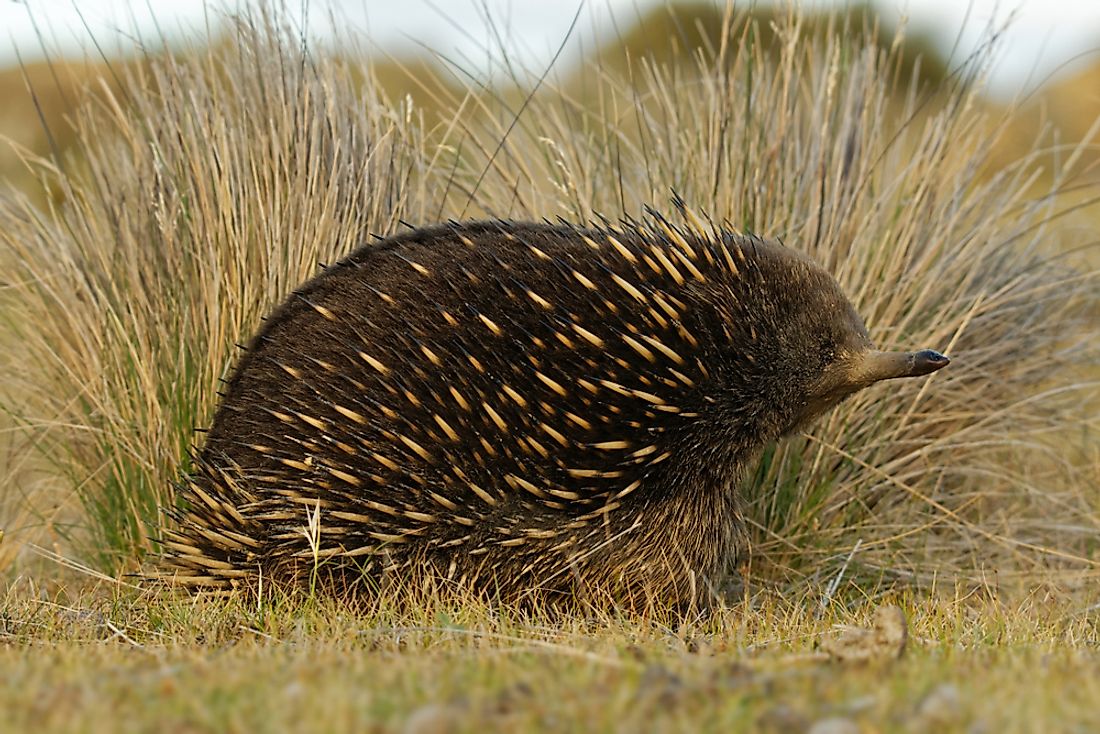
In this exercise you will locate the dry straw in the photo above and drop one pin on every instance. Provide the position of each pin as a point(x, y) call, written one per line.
point(219, 177)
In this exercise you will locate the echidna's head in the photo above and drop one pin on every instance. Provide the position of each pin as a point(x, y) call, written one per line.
point(791, 344)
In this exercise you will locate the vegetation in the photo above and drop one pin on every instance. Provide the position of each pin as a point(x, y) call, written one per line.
point(205, 184)
point(123, 661)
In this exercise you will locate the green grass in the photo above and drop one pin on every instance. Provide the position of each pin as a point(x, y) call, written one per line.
point(120, 660)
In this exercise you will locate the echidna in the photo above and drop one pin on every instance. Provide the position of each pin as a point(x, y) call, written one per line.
point(521, 408)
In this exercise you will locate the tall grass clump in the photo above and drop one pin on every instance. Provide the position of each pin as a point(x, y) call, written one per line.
point(212, 183)
point(217, 179)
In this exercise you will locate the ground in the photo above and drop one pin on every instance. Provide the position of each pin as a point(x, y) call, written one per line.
point(113, 658)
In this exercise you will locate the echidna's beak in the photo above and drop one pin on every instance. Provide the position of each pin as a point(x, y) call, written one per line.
point(888, 365)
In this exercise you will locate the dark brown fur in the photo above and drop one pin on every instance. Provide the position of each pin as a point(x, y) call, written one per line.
point(517, 408)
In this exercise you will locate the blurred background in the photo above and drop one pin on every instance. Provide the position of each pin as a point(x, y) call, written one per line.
point(1038, 38)
point(1045, 57)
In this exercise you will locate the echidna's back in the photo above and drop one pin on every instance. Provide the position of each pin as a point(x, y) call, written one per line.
point(416, 346)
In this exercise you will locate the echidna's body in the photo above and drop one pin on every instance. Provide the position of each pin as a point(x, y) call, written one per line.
point(520, 407)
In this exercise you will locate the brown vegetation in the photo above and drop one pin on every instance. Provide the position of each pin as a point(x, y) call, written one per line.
point(208, 188)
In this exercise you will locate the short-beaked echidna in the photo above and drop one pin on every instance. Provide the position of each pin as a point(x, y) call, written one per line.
point(521, 407)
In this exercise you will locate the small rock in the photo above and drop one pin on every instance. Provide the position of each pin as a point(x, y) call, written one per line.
point(834, 725)
point(885, 640)
point(433, 718)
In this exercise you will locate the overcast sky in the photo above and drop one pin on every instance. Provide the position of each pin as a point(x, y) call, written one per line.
point(1047, 35)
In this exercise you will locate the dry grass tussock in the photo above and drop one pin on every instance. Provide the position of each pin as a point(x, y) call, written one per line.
point(219, 178)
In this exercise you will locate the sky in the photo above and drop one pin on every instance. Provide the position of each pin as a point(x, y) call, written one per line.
point(1046, 37)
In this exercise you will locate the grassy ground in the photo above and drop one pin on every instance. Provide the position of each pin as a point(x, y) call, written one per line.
point(192, 207)
point(119, 660)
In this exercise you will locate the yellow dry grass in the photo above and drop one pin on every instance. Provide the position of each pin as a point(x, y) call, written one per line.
point(216, 180)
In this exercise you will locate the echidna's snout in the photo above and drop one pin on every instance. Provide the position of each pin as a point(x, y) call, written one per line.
point(857, 370)
point(928, 360)
point(877, 365)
